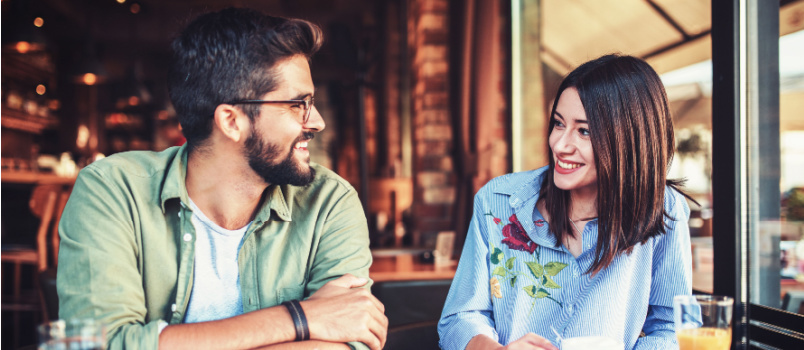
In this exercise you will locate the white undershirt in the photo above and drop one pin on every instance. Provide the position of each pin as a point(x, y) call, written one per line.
point(216, 277)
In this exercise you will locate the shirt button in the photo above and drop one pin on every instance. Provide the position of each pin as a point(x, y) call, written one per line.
point(179, 214)
point(569, 307)
point(188, 237)
point(173, 308)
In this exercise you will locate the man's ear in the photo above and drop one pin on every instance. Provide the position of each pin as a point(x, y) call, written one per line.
point(232, 122)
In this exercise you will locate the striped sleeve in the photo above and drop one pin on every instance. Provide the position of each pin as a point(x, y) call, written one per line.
point(468, 309)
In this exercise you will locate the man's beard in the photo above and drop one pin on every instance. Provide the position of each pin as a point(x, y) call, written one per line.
point(287, 172)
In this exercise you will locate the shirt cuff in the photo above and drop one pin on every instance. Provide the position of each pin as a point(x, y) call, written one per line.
point(457, 333)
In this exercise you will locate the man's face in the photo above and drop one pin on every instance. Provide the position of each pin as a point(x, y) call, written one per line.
point(276, 149)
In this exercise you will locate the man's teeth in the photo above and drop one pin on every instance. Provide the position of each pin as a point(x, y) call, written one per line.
point(568, 165)
point(301, 144)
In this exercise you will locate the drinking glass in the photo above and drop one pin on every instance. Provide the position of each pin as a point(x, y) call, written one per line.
point(72, 335)
point(703, 322)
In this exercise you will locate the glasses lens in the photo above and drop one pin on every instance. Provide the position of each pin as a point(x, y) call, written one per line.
point(308, 105)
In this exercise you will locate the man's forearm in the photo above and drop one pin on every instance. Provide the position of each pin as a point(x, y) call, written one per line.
point(307, 345)
point(251, 330)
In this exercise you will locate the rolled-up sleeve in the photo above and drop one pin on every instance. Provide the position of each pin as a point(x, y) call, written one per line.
point(671, 276)
point(468, 309)
point(98, 275)
point(343, 248)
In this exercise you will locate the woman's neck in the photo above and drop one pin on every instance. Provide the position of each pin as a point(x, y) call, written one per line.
point(583, 204)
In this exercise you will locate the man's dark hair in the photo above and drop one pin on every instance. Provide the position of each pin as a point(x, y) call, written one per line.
point(632, 138)
point(230, 55)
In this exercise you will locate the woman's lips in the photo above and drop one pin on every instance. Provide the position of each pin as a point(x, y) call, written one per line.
point(566, 167)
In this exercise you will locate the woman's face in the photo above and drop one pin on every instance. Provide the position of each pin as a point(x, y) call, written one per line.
point(571, 145)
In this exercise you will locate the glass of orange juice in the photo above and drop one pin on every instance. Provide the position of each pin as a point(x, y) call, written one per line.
point(703, 322)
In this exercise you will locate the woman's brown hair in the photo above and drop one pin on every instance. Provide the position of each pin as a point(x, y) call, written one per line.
point(632, 137)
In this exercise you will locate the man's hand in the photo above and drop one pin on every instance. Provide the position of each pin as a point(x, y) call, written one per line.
point(341, 312)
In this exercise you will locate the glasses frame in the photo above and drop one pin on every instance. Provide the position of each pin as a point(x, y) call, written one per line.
point(308, 105)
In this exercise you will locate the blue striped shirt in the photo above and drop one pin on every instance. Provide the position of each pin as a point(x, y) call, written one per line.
point(512, 279)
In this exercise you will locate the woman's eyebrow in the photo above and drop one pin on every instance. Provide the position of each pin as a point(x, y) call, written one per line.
point(576, 120)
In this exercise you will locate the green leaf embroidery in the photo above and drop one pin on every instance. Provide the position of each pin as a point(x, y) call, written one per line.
point(513, 281)
point(499, 271)
point(535, 268)
point(542, 293)
point(531, 290)
point(548, 282)
point(553, 268)
point(510, 263)
point(497, 256)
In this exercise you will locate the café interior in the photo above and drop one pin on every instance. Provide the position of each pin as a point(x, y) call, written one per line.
point(425, 101)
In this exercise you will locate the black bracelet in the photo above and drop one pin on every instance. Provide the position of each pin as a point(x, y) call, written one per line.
point(299, 319)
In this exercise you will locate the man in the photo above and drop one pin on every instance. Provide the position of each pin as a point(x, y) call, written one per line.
point(212, 244)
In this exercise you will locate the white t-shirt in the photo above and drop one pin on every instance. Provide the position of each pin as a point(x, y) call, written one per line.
point(216, 277)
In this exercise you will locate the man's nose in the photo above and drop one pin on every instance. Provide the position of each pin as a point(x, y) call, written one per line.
point(316, 121)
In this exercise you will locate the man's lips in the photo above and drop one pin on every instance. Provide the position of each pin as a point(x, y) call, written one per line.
point(301, 145)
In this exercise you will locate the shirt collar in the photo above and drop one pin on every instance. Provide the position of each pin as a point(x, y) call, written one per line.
point(174, 187)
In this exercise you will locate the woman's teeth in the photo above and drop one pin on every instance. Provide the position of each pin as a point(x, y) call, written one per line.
point(568, 165)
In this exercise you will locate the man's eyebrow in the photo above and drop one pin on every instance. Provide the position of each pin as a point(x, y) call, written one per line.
point(583, 121)
point(302, 96)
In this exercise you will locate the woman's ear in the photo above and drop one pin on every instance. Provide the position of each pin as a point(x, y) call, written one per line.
point(232, 122)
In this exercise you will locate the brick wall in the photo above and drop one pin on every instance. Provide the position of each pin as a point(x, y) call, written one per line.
point(434, 180)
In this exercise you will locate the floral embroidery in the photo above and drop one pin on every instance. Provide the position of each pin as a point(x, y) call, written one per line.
point(539, 222)
point(495, 288)
point(497, 221)
point(540, 277)
point(516, 238)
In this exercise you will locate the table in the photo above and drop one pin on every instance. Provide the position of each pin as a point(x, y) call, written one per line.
point(402, 265)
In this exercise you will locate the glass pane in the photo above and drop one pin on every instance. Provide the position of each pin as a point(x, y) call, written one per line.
point(777, 159)
point(689, 91)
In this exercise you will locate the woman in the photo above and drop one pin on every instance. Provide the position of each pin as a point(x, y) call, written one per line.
point(596, 243)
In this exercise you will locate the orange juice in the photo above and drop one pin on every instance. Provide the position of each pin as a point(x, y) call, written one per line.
point(705, 338)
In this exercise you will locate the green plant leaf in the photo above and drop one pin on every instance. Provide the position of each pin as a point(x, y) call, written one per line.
point(497, 256)
point(531, 290)
point(499, 271)
point(542, 293)
point(535, 268)
point(548, 282)
point(513, 281)
point(510, 263)
point(553, 268)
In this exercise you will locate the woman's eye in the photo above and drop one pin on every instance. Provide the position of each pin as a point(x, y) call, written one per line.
point(557, 123)
point(584, 132)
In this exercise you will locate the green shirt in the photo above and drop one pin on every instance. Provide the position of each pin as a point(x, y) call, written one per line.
point(128, 244)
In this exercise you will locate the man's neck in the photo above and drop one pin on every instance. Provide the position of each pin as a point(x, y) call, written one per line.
point(227, 192)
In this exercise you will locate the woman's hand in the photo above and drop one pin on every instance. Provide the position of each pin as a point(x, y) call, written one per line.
point(528, 341)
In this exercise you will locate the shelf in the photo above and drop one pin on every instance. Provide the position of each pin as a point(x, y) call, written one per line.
point(17, 120)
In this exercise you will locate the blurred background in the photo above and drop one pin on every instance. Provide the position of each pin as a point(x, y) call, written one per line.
point(425, 101)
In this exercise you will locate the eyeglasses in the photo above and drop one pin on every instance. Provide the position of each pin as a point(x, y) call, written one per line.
point(307, 105)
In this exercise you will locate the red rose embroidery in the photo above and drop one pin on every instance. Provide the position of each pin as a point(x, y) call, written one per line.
point(497, 221)
point(516, 238)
